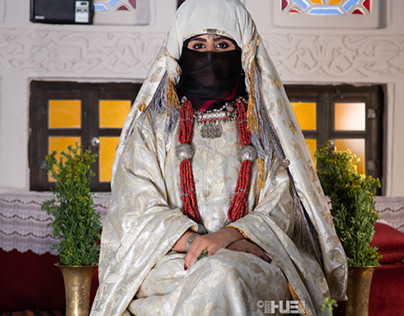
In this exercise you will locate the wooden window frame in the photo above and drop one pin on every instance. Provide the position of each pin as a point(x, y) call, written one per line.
point(89, 94)
point(326, 96)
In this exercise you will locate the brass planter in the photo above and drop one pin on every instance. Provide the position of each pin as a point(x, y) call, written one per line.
point(359, 280)
point(77, 281)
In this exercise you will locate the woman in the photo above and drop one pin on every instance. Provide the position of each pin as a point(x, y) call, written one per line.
point(216, 208)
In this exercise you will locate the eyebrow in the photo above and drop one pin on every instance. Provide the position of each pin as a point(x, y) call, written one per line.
point(217, 38)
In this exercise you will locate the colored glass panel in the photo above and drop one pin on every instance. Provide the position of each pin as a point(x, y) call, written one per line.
point(113, 3)
point(60, 143)
point(133, 3)
point(64, 114)
point(317, 1)
point(357, 146)
point(306, 113)
point(350, 116)
point(285, 3)
point(335, 1)
point(326, 11)
point(367, 4)
point(100, 7)
point(312, 144)
point(303, 3)
point(294, 11)
point(349, 4)
point(106, 156)
point(358, 11)
point(123, 8)
point(113, 113)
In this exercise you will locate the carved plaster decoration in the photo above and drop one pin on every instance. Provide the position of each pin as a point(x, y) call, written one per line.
point(111, 54)
point(335, 56)
point(95, 53)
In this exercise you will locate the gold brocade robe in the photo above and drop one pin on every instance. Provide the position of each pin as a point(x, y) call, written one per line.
point(139, 271)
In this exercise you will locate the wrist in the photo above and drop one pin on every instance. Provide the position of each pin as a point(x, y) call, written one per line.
point(190, 240)
point(231, 235)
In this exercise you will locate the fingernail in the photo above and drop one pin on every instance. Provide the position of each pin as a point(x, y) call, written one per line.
point(185, 267)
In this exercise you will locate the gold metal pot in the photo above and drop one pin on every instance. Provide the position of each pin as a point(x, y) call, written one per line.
point(77, 288)
point(359, 280)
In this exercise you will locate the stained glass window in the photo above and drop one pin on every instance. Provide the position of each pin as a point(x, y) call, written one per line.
point(121, 12)
point(115, 5)
point(327, 7)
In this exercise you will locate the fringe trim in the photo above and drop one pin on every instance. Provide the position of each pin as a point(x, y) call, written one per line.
point(252, 123)
point(261, 174)
point(172, 97)
point(296, 298)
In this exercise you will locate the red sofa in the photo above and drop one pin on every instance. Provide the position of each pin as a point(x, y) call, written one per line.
point(31, 281)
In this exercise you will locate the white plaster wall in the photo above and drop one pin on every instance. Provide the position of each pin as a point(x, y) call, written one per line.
point(88, 53)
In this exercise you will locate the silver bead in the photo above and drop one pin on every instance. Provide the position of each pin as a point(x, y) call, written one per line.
point(184, 151)
point(286, 162)
point(248, 152)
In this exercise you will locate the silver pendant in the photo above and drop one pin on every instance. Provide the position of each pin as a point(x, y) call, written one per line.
point(211, 130)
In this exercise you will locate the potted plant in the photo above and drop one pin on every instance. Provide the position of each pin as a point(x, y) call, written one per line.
point(76, 224)
point(351, 198)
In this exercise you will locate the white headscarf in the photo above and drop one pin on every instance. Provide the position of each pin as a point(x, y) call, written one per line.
point(273, 115)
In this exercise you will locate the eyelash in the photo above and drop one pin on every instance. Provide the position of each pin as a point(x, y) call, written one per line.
point(221, 45)
point(198, 46)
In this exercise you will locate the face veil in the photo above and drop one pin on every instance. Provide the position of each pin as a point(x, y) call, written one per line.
point(209, 79)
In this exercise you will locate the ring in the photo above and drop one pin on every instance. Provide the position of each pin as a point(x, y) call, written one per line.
point(203, 254)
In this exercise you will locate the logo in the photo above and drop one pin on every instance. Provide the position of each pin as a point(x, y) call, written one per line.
point(281, 307)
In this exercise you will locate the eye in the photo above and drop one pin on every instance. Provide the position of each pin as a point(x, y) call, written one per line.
point(198, 46)
point(223, 45)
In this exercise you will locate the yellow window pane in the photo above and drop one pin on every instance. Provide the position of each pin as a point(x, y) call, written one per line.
point(64, 113)
point(107, 154)
point(306, 114)
point(312, 144)
point(335, 1)
point(113, 113)
point(317, 1)
point(350, 116)
point(60, 143)
point(357, 146)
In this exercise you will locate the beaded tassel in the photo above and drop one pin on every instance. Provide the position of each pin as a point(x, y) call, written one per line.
point(239, 205)
point(185, 135)
point(188, 191)
point(186, 132)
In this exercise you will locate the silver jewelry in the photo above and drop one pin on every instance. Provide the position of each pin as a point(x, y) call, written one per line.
point(190, 240)
point(248, 152)
point(184, 151)
point(211, 120)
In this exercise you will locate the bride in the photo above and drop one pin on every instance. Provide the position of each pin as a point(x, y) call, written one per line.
point(216, 208)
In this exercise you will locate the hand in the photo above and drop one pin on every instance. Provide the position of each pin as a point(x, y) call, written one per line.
point(244, 245)
point(214, 241)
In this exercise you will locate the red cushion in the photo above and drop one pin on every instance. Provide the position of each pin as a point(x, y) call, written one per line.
point(390, 242)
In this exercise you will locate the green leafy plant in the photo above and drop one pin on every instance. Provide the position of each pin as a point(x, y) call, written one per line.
point(328, 307)
point(76, 223)
point(351, 196)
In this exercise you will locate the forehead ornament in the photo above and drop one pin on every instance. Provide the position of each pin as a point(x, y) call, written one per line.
point(211, 33)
